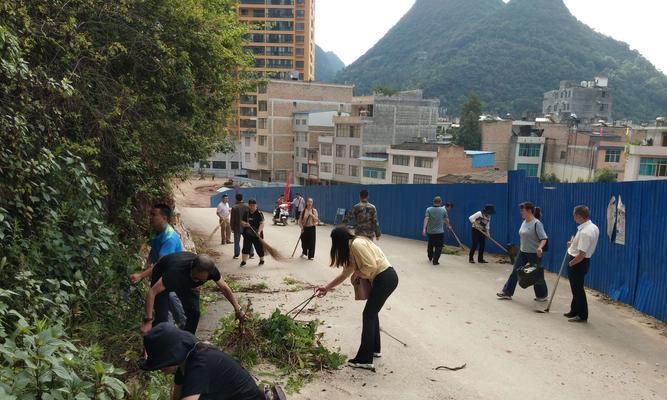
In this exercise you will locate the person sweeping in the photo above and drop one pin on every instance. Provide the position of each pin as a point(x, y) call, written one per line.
point(365, 262)
point(481, 229)
point(308, 220)
point(253, 231)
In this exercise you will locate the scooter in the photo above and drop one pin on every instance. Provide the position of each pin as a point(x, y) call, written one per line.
point(281, 215)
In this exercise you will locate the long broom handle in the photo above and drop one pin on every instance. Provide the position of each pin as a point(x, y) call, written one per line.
point(456, 236)
point(298, 241)
point(560, 273)
point(492, 239)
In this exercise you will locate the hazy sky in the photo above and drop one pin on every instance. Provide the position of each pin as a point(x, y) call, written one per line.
point(351, 27)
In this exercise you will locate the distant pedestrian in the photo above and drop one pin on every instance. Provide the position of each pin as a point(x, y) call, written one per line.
point(481, 229)
point(201, 370)
point(580, 252)
point(533, 238)
point(182, 274)
point(253, 229)
point(363, 259)
point(298, 204)
point(224, 211)
point(308, 221)
point(449, 206)
point(238, 211)
point(365, 215)
point(435, 220)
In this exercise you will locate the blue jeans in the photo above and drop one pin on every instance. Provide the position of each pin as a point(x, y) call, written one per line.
point(237, 245)
point(541, 290)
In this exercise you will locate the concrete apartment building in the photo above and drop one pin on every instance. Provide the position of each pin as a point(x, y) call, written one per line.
point(309, 127)
point(647, 153)
point(590, 101)
point(361, 140)
point(271, 152)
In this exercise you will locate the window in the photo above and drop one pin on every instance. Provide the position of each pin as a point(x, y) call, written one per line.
point(354, 170)
point(261, 89)
point(300, 13)
point(248, 111)
point(612, 156)
point(299, 64)
point(262, 158)
point(529, 149)
point(325, 167)
point(653, 166)
point(354, 151)
point(399, 178)
point(247, 141)
point(204, 164)
point(235, 165)
point(421, 179)
point(299, 51)
point(340, 150)
point(375, 173)
point(423, 162)
point(262, 105)
point(304, 152)
point(300, 26)
point(325, 149)
point(262, 123)
point(563, 155)
point(354, 132)
point(247, 157)
point(401, 160)
point(340, 169)
point(300, 39)
point(531, 169)
point(219, 164)
point(261, 140)
point(304, 168)
point(248, 99)
point(343, 131)
point(248, 123)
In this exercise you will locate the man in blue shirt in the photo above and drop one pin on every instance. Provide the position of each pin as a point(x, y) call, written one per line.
point(164, 240)
point(435, 220)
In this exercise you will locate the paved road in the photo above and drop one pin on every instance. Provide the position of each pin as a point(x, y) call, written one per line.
point(449, 315)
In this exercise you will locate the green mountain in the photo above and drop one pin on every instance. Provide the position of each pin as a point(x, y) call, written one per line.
point(327, 64)
point(509, 54)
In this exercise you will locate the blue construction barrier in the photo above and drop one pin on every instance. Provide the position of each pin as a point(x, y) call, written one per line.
point(634, 273)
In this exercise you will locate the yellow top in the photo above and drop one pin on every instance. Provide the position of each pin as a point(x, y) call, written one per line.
point(367, 258)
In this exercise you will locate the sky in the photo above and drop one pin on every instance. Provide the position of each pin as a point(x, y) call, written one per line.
point(351, 27)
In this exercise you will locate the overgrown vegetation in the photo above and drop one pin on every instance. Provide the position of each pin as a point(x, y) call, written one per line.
point(101, 103)
point(295, 348)
point(605, 175)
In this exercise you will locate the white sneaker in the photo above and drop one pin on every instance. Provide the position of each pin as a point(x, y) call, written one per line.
point(369, 367)
point(377, 355)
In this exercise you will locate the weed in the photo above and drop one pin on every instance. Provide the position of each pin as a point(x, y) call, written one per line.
point(450, 250)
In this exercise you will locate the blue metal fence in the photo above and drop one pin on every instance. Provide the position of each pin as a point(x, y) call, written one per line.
point(634, 273)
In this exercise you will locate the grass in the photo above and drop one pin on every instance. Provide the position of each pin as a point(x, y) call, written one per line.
point(295, 349)
point(451, 250)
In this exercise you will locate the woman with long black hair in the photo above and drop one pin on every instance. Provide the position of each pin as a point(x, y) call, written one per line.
point(362, 259)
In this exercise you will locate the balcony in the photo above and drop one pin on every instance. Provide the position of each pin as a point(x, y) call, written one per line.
point(648, 151)
point(348, 119)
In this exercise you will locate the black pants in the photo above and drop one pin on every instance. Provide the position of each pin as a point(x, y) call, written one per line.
point(250, 240)
point(435, 243)
point(478, 240)
point(190, 302)
point(383, 286)
point(577, 276)
point(308, 241)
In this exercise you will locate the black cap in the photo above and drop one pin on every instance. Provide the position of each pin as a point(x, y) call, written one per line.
point(489, 209)
point(166, 346)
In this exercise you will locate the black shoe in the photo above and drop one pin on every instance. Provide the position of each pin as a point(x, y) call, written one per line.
point(356, 364)
point(236, 257)
point(430, 258)
point(261, 262)
point(482, 261)
point(310, 258)
point(471, 261)
point(569, 315)
point(242, 264)
point(576, 319)
point(436, 263)
point(251, 257)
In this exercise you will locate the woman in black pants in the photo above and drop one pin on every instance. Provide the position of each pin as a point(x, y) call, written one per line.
point(308, 220)
point(361, 258)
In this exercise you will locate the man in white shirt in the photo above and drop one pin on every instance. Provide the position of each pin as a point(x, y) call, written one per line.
point(580, 252)
point(224, 212)
point(298, 204)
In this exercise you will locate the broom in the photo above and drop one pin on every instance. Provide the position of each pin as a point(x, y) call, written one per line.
point(458, 240)
point(272, 252)
point(497, 244)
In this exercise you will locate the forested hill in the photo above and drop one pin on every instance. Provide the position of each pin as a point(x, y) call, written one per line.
point(327, 64)
point(509, 54)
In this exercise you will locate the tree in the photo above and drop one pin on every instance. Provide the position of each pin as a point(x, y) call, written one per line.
point(605, 175)
point(469, 135)
point(384, 91)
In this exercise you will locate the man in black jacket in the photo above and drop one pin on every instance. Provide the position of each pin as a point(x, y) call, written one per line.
point(239, 209)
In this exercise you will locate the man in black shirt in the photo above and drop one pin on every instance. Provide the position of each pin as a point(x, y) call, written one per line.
point(183, 273)
point(202, 371)
point(253, 229)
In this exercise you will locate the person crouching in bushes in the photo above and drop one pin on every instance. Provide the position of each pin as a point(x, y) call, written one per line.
point(362, 259)
point(533, 239)
point(201, 370)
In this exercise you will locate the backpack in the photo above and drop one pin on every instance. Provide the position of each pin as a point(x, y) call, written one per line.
point(546, 246)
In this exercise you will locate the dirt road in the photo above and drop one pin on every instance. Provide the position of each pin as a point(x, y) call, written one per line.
point(449, 315)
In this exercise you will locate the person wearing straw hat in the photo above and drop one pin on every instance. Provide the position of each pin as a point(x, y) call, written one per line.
point(183, 273)
point(434, 227)
point(481, 229)
point(253, 229)
point(201, 370)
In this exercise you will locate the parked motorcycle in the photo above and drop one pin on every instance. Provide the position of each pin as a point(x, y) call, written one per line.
point(281, 215)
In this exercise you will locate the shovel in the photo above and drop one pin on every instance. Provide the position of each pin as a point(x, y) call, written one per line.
point(553, 293)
